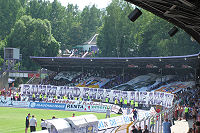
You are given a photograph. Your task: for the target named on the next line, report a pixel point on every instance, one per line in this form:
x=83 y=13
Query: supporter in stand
x=125 y=103
x=16 y=96
x=132 y=103
x=107 y=99
x=40 y=98
x=134 y=130
x=45 y=96
x=152 y=124
x=88 y=97
x=19 y=97
x=186 y=113
x=116 y=101
x=75 y=98
x=121 y=101
x=139 y=129
x=180 y=112
x=33 y=97
x=145 y=129
x=166 y=126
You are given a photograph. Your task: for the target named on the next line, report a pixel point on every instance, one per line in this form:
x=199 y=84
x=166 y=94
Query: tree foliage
x=42 y=28
x=34 y=38
x=147 y=36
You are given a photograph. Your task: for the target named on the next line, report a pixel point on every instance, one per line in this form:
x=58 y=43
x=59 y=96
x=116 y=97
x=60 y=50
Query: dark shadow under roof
x=182 y=13
x=71 y=63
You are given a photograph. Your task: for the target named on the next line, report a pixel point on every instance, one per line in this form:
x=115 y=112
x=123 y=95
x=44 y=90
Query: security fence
x=154 y=122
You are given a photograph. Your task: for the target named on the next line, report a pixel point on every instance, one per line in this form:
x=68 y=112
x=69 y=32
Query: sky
x=83 y=3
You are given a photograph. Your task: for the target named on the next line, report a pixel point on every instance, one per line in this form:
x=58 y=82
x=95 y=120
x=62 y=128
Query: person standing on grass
x=73 y=115
x=27 y=122
x=33 y=124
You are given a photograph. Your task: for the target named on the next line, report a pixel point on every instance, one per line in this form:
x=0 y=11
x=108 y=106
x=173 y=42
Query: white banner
x=113 y=122
x=8 y=103
x=153 y=98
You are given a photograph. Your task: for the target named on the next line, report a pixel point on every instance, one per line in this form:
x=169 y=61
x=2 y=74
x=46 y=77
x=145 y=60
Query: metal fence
x=158 y=120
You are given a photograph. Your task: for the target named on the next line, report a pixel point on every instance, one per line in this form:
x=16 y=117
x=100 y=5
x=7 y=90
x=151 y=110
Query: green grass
x=12 y=120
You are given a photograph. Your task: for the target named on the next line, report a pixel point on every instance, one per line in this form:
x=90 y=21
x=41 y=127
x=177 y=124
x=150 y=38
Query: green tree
x=91 y=20
x=34 y=38
x=10 y=11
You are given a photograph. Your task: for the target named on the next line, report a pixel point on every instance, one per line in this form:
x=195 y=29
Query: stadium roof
x=73 y=63
x=182 y=13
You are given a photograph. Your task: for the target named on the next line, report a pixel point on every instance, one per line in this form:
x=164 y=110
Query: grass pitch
x=12 y=120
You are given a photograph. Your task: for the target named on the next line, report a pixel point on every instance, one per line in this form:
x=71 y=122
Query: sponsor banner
x=153 y=98
x=88 y=106
x=21 y=104
x=69 y=105
x=7 y=102
x=113 y=122
x=54 y=106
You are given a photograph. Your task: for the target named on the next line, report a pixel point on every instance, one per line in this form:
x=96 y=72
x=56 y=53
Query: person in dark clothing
x=139 y=130
x=134 y=130
x=145 y=129
x=27 y=122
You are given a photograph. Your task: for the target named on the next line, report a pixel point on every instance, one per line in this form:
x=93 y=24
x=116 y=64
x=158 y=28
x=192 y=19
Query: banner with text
x=113 y=122
x=88 y=106
x=143 y=97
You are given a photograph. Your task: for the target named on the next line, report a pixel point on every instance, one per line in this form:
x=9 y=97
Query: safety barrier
x=158 y=119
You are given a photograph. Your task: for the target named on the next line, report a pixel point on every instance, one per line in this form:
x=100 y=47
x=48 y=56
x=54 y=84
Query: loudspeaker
x=173 y=31
x=134 y=14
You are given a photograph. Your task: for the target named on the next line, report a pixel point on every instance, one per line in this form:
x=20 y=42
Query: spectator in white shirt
x=33 y=124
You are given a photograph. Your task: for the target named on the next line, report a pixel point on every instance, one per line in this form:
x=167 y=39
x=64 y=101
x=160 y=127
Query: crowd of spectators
x=174 y=79
x=115 y=78
x=189 y=107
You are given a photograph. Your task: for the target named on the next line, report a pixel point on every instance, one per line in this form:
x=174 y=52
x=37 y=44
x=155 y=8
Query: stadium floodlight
x=135 y=14
x=188 y=3
x=173 y=31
